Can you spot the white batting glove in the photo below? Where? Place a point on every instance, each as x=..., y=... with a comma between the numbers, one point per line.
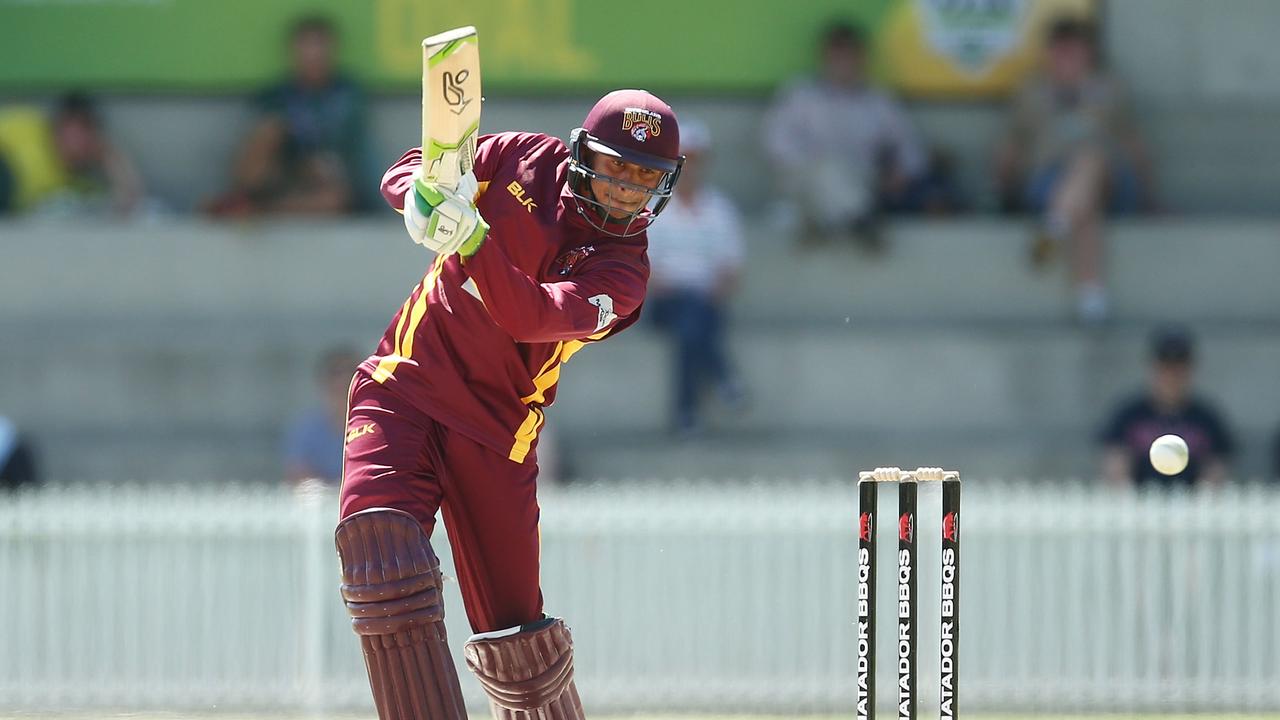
x=442, y=220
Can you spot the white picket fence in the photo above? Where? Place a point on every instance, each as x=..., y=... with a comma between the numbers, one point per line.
x=685, y=596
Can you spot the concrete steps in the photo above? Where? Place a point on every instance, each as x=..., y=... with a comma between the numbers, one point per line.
x=970, y=270
x=976, y=270
x=182, y=349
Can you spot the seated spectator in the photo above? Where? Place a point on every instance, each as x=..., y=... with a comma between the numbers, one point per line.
x=1072, y=155
x=695, y=255
x=1166, y=407
x=17, y=459
x=313, y=441
x=844, y=150
x=305, y=153
x=64, y=164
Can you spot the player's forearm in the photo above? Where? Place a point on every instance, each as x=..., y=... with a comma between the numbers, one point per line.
x=399, y=178
x=530, y=311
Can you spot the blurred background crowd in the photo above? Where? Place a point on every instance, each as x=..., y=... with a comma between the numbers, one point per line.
x=1024, y=237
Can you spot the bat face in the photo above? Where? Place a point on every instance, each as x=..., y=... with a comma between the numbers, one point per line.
x=450, y=105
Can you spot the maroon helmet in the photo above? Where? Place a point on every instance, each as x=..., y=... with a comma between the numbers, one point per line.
x=636, y=127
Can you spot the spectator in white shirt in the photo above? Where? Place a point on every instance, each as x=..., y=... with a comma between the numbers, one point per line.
x=695, y=255
x=842, y=149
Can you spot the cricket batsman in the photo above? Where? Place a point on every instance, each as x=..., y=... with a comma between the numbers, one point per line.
x=539, y=251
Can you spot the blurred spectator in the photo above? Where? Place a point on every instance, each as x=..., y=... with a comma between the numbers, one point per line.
x=64, y=164
x=695, y=254
x=844, y=150
x=1072, y=154
x=313, y=441
x=17, y=460
x=306, y=153
x=1166, y=407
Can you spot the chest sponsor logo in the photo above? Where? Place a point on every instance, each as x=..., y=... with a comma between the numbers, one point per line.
x=518, y=192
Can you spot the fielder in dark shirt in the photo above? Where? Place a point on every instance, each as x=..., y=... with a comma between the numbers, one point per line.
x=1166, y=407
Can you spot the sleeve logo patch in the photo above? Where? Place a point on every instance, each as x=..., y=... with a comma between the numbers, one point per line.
x=607, y=316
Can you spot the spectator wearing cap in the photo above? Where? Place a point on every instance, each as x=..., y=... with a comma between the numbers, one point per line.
x=843, y=150
x=1167, y=406
x=64, y=163
x=695, y=256
x=306, y=154
x=1072, y=154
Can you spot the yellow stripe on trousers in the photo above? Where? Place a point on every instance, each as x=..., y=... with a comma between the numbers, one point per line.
x=404, y=340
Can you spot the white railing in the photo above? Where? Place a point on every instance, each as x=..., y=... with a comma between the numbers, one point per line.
x=682, y=596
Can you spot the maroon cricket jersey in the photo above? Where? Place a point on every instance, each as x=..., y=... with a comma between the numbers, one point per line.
x=483, y=357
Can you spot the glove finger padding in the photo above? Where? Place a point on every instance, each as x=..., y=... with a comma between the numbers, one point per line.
x=448, y=226
x=417, y=214
x=452, y=224
x=468, y=187
x=431, y=194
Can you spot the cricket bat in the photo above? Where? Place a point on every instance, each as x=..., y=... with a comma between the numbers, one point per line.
x=450, y=105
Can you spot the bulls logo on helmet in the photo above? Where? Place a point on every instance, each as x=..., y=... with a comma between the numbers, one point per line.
x=642, y=123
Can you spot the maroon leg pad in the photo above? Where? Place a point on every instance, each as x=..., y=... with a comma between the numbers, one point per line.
x=527, y=671
x=392, y=586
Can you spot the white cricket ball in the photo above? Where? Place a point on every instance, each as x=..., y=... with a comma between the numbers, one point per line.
x=1169, y=454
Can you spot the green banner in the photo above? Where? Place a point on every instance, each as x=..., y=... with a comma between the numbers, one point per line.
x=526, y=45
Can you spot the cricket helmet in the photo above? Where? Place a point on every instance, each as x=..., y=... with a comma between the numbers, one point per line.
x=634, y=126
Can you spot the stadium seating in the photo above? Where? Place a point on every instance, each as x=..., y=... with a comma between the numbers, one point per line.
x=945, y=350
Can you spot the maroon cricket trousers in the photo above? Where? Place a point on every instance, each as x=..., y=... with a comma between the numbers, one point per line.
x=397, y=457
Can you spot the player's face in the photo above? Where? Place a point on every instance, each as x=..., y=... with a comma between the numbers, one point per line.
x=620, y=200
